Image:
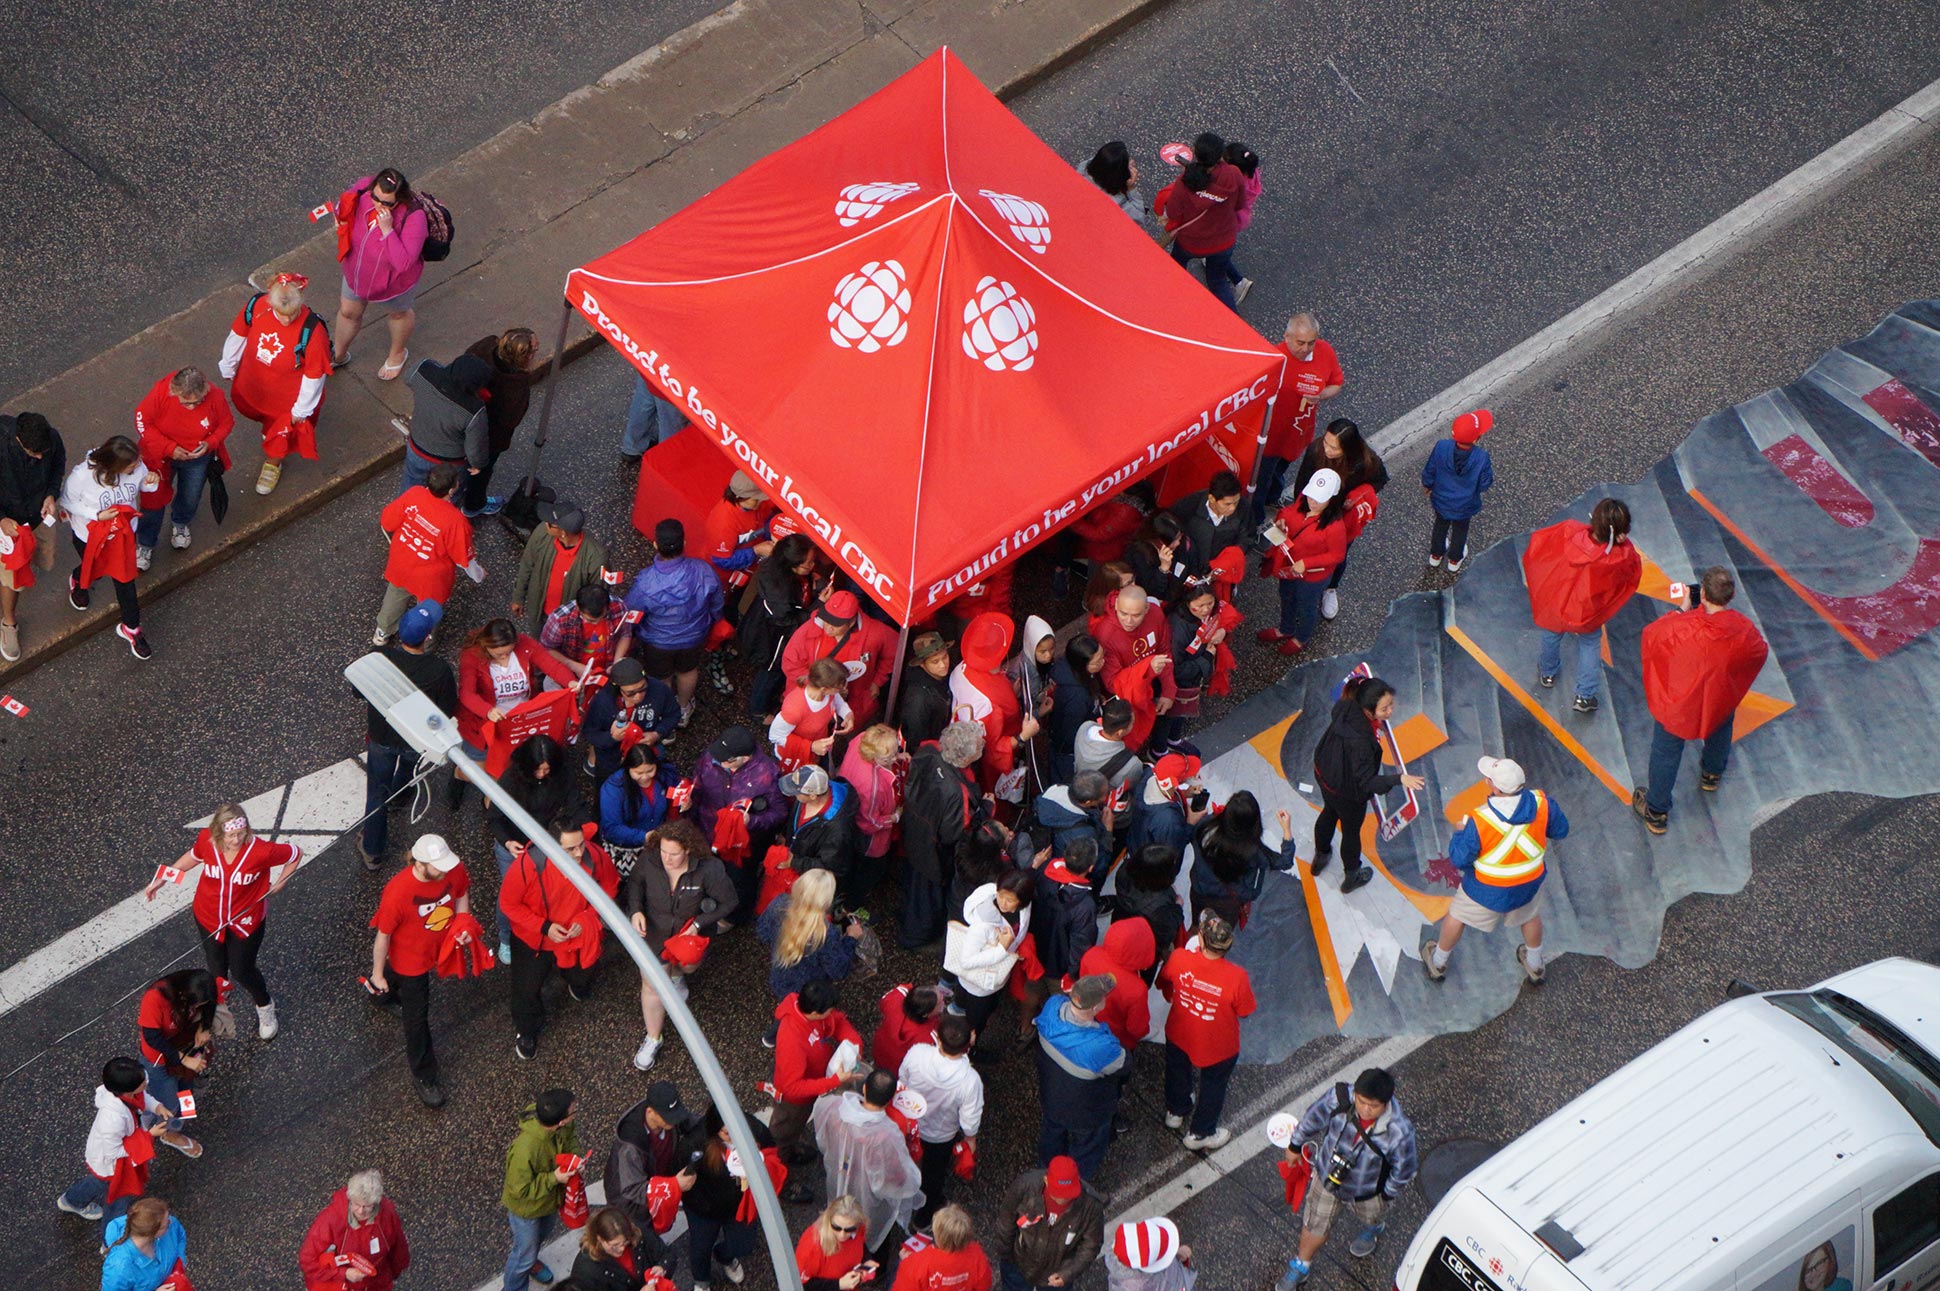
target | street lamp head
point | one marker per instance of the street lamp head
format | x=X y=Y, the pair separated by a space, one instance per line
x=409 y=711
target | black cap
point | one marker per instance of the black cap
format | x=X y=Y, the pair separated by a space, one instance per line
x=567 y=515
x=734 y=742
x=627 y=672
x=663 y=1098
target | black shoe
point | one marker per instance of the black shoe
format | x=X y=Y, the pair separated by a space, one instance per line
x=630 y=460
x=526 y=1049
x=431 y=1093
x=1584 y=703
x=579 y=996
x=1320 y=861
x=77 y=595
x=1547 y=681
x=1357 y=880
x=137 y=643
x=768 y=1036
x=454 y=794
x=1657 y=822
x=1708 y=782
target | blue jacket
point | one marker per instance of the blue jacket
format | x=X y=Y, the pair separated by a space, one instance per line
x=1077 y=1069
x=1066 y=822
x=1455 y=478
x=657 y=710
x=832 y=959
x=125 y=1268
x=623 y=830
x=678 y=599
x=1466 y=847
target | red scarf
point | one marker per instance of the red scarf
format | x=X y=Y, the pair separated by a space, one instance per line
x=130 y=1177
x=777 y=1173
x=731 y=839
x=562 y=560
x=111 y=547
x=456 y=959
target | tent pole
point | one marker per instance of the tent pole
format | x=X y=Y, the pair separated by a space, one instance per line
x=1259 y=449
x=552 y=386
x=896 y=676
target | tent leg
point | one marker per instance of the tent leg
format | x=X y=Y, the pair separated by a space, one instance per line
x=1259 y=451
x=552 y=387
x=896 y=676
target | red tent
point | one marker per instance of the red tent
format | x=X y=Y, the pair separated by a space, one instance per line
x=931 y=338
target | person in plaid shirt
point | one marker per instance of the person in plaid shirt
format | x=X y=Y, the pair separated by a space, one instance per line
x=587 y=632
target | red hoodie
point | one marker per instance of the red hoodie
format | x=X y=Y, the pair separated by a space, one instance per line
x=379 y=1243
x=898 y=1033
x=1575 y=585
x=803 y=1047
x=534 y=893
x=1126 y=951
x=1122 y=649
x=1698 y=667
x=981 y=692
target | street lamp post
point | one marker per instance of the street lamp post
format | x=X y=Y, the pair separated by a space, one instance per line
x=412 y=714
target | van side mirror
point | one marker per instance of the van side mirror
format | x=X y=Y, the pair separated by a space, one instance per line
x=1737 y=988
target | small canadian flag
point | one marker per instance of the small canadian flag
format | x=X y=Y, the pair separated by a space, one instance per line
x=185 y=1105
x=631 y=617
x=679 y=796
x=13 y=705
x=169 y=874
x=612 y=577
x=320 y=213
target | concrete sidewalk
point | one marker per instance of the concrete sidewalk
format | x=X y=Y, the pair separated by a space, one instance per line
x=588 y=173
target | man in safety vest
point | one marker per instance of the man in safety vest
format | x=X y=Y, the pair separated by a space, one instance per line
x=1499 y=850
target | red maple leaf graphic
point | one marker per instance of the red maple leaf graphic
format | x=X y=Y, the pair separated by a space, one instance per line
x=1442 y=870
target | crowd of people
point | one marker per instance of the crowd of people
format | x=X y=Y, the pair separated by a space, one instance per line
x=1029 y=804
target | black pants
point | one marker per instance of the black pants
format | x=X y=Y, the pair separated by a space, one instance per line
x=1347 y=813
x=1449 y=539
x=478 y=487
x=923 y=899
x=935 y=1169
x=235 y=958
x=124 y=592
x=413 y=995
x=530 y=969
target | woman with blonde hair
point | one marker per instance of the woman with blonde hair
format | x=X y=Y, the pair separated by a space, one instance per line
x=953 y=1259
x=876 y=767
x=797 y=930
x=233 y=886
x=513 y=356
x=101 y=499
x=275 y=359
x=609 y=1254
x=143 y=1248
x=833 y=1254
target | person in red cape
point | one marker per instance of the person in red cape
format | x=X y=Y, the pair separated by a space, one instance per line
x=980 y=691
x=121 y=1143
x=276 y=358
x=1579 y=576
x=552 y=925
x=98 y=501
x=419 y=906
x=1699 y=664
x=865 y=646
x=430 y=542
x=181 y=424
x=356 y=1242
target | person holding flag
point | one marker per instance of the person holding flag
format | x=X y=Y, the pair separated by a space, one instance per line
x=121 y=1142
x=425 y=907
x=1308 y=542
x=1347 y=767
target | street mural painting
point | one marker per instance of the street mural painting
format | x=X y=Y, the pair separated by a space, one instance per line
x=1823 y=498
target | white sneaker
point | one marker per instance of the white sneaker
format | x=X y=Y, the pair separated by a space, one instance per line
x=643 y=1056
x=1329 y=603
x=178 y=537
x=1434 y=562
x=1240 y=289
x=1174 y=1122
x=734 y=1271
x=266 y=1027
x=90 y=1211
x=1218 y=1139
x=143 y=556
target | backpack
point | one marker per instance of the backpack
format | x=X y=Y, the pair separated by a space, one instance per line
x=312 y=322
x=1362 y=503
x=439 y=228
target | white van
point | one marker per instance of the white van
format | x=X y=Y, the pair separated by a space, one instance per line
x=1788 y=1141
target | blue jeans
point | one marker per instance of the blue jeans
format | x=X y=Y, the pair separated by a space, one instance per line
x=1086 y=1147
x=1014 y=1279
x=191 y=477
x=90 y=1191
x=1589 y=659
x=1220 y=275
x=1667 y=753
x=417 y=469
x=386 y=770
x=1213 y=1080
x=1300 y=607
x=528 y=1235
x=708 y=1239
x=650 y=419
x=164 y=1088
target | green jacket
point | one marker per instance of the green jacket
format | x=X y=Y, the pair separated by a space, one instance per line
x=535 y=569
x=531 y=1191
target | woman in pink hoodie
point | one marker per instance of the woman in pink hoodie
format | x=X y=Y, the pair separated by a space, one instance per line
x=875 y=766
x=383 y=258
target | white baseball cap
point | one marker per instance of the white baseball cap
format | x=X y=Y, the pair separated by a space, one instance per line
x=1503 y=774
x=1279 y=1129
x=432 y=850
x=1323 y=487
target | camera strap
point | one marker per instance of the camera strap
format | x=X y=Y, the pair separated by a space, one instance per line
x=1344 y=1106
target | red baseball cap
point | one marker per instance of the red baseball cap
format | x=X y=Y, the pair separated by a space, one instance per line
x=1175 y=769
x=1061 y=1181
x=1471 y=426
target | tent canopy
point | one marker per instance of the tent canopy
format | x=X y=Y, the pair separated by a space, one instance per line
x=930 y=337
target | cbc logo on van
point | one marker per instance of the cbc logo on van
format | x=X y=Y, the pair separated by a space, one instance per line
x=871 y=308
x=859 y=202
x=1000 y=328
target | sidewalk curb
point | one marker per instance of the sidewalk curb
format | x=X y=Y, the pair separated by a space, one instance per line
x=986 y=25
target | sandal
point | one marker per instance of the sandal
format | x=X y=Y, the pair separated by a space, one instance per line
x=188 y=1147
x=389 y=372
x=339 y=364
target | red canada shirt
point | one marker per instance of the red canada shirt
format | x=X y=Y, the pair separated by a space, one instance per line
x=1293 y=429
x=415 y=914
x=430 y=542
x=155 y=1012
x=1209 y=997
x=931 y=1269
x=230 y=896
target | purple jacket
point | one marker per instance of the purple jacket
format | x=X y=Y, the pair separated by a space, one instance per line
x=715 y=789
x=380 y=267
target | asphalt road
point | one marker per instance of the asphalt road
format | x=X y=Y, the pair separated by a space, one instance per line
x=244 y=692
x=147 y=158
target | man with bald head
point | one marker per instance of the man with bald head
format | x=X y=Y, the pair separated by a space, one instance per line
x=1313 y=376
x=1136 y=630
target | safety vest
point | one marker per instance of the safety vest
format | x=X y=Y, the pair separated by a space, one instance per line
x=1512 y=855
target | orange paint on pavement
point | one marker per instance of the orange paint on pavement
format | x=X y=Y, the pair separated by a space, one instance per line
x=1267 y=743
x=1541 y=714
x=1418 y=736
x=1753 y=712
x=1330 y=968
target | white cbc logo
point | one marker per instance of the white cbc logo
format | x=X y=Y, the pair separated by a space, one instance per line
x=860 y=202
x=1000 y=328
x=871 y=308
x=1029 y=222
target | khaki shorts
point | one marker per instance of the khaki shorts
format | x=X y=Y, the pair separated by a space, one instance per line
x=1470 y=913
x=7 y=577
x=1323 y=1203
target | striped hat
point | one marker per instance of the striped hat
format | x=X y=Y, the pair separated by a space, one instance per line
x=1147 y=1245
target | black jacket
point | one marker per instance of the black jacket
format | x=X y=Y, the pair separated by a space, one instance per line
x=1073 y=703
x=545 y=800
x=24 y=482
x=602 y=1274
x=638 y=1155
x=1204 y=539
x=1347 y=761
x=923 y=707
x=1373 y=472
x=941 y=806
x=780 y=606
x=827 y=842
x=1162 y=584
x=1064 y=917
x=1190 y=668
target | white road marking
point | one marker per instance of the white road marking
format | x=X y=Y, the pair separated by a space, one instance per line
x=1892 y=132
x=311 y=812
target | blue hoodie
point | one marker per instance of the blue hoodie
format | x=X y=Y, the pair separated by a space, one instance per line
x=679 y=598
x=1456 y=478
x=1077 y=1069
x=1466 y=848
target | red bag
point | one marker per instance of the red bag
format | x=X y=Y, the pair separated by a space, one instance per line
x=572 y=1210
x=1029 y=968
x=1296 y=1177
x=731 y=841
x=552 y=712
x=963 y=1160
x=18 y=556
x=777 y=877
x=177 y=1279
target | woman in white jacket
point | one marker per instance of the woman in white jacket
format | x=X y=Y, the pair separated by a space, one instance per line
x=982 y=950
x=101 y=500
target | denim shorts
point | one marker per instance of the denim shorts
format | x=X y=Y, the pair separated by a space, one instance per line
x=403 y=302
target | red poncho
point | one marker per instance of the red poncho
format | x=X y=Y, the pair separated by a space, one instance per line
x=1575 y=583
x=1698 y=667
x=981 y=692
x=111 y=547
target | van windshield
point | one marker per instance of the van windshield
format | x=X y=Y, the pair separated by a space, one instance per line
x=1909 y=1073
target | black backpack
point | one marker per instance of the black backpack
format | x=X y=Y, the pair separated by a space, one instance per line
x=439 y=228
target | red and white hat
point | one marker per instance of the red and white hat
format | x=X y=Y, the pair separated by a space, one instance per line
x=1147 y=1245
x=1174 y=770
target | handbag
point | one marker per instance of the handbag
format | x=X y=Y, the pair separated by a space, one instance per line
x=986 y=979
x=868 y=955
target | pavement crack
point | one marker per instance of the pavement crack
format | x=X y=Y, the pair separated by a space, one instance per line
x=54 y=134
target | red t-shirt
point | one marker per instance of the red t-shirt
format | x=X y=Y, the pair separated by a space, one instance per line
x=931 y=1269
x=415 y=914
x=1293 y=429
x=814 y=1263
x=1209 y=997
x=230 y=896
x=430 y=541
x=157 y=1013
